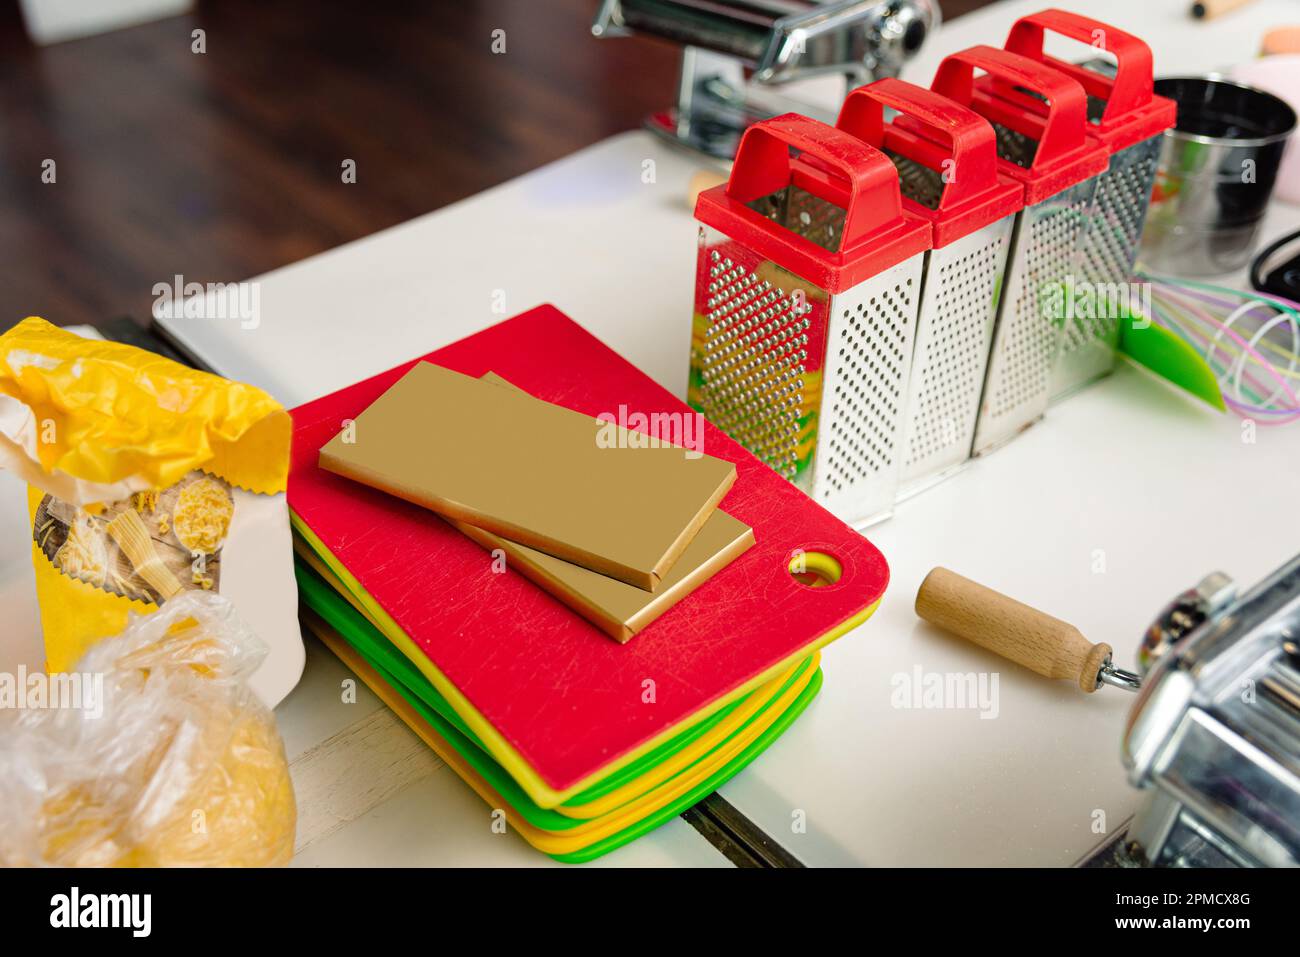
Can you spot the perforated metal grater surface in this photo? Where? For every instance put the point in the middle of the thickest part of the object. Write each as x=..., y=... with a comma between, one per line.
x=963, y=282
x=869, y=356
x=807, y=286
x=751, y=368
x=1089, y=337
x=1127, y=118
x=947, y=162
x=1045, y=254
x=1043, y=146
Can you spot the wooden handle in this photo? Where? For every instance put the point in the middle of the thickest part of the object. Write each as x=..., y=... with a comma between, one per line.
x=1043, y=644
x=1209, y=9
x=1280, y=40
x=129, y=531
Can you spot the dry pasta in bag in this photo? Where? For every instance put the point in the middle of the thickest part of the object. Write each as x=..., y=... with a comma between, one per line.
x=147, y=480
x=165, y=758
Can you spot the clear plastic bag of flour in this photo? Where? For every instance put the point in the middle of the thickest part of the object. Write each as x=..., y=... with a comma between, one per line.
x=151, y=751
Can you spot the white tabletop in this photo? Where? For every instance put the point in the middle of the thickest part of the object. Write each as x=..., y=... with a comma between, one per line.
x=1129, y=477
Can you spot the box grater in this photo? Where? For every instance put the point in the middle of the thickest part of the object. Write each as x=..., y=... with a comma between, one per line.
x=1128, y=119
x=1042, y=144
x=949, y=177
x=806, y=295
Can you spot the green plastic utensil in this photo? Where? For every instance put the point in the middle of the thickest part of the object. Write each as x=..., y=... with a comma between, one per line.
x=1170, y=357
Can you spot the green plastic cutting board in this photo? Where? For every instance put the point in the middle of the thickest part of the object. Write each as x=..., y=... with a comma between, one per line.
x=371, y=643
x=377, y=651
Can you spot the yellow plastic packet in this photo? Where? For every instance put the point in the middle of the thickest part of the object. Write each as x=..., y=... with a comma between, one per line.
x=147, y=479
x=165, y=757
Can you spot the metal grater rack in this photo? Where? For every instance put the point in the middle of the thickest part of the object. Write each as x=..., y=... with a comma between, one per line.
x=1042, y=145
x=970, y=216
x=1127, y=118
x=807, y=283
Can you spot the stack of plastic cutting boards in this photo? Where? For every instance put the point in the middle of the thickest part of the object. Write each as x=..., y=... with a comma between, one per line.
x=584, y=743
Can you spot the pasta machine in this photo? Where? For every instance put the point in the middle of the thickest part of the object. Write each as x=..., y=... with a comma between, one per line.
x=736, y=52
x=1215, y=732
x=1214, y=735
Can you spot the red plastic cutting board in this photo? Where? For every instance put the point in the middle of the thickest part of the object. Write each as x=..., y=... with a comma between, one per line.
x=568, y=699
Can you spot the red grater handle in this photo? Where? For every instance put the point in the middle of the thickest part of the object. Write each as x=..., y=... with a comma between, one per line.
x=1131, y=88
x=764, y=165
x=1067, y=105
x=972, y=144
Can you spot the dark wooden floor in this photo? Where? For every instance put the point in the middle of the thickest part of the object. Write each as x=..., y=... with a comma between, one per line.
x=226, y=164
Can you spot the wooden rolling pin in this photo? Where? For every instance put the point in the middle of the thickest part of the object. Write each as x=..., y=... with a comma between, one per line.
x=1043, y=644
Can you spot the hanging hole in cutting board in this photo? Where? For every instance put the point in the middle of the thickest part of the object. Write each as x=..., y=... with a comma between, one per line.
x=814, y=569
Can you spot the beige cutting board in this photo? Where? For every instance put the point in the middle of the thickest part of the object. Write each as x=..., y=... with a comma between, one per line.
x=531, y=472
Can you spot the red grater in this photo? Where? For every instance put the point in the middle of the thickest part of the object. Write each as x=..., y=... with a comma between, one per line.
x=1042, y=144
x=1128, y=118
x=807, y=288
x=1040, y=118
x=948, y=170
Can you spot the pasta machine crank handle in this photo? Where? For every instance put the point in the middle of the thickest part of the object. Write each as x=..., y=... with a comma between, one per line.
x=1043, y=644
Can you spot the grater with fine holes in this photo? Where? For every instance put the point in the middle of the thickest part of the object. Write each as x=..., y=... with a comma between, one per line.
x=1128, y=119
x=1043, y=145
x=948, y=171
x=807, y=287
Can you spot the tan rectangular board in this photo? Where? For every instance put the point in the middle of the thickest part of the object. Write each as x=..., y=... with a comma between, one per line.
x=616, y=608
x=531, y=472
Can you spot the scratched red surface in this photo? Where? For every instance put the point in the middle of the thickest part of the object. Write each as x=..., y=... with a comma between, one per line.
x=568, y=698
